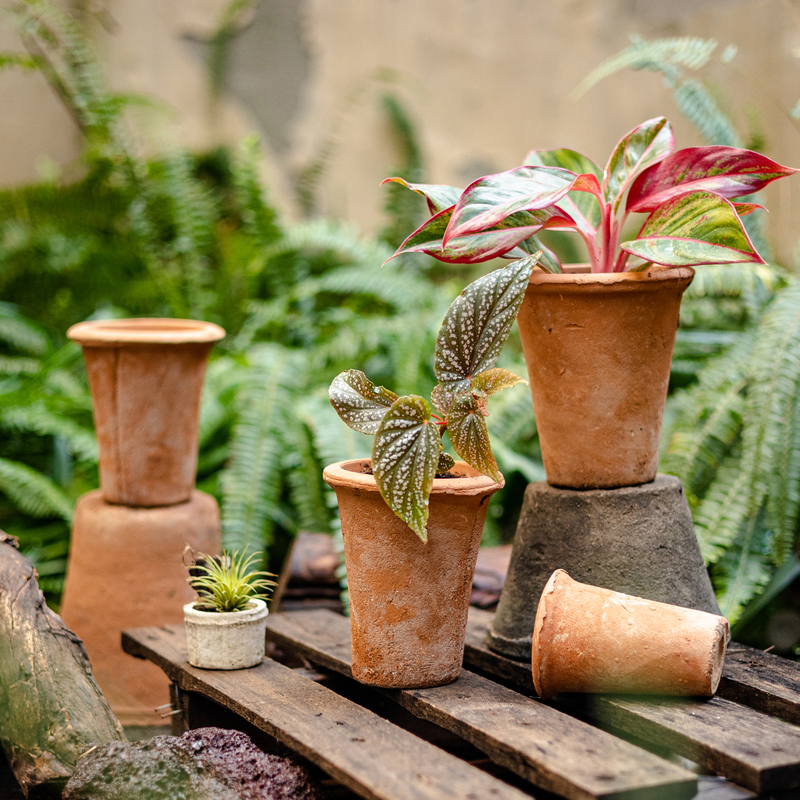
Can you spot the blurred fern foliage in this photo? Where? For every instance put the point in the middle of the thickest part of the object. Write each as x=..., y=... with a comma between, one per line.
x=733, y=436
x=195, y=236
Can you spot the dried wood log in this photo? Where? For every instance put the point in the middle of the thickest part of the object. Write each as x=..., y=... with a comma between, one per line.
x=51, y=708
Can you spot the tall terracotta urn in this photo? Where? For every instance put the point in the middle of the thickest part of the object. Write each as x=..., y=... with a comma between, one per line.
x=598, y=347
x=125, y=565
x=408, y=598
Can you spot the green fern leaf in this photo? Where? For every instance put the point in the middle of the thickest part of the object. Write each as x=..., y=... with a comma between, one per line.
x=32, y=492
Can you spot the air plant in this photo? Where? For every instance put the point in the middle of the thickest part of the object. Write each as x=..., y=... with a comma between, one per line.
x=407, y=450
x=224, y=583
x=687, y=195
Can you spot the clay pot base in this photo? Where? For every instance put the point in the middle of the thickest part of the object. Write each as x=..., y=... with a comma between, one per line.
x=589, y=639
x=409, y=600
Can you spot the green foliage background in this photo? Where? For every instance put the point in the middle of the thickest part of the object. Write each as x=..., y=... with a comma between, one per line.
x=192, y=235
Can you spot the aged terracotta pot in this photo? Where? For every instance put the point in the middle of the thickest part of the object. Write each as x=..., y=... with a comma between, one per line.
x=126, y=570
x=146, y=377
x=409, y=600
x=588, y=639
x=598, y=349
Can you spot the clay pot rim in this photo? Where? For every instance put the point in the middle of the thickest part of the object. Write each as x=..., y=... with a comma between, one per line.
x=347, y=474
x=253, y=613
x=144, y=330
x=578, y=278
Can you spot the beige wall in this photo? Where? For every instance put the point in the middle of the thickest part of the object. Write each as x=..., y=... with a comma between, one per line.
x=485, y=80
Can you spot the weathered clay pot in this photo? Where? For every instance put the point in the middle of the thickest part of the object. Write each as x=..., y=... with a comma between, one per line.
x=232, y=640
x=588, y=639
x=126, y=570
x=146, y=376
x=598, y=349
x=409, y=600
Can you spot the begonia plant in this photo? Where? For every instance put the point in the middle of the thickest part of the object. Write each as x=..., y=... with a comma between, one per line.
x=407, y=451
x=686, y=193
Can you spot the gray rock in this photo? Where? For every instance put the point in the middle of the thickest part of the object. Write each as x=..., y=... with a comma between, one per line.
x=639, y=540
x=204, y=764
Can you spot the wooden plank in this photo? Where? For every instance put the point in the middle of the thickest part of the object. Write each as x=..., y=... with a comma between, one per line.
x=362, y=751
x=750, y=748
x=762, y=681
x=539, y=743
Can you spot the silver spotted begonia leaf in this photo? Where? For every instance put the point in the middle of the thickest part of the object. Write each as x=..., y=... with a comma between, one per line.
x=466, y=425
x=446, y=462
x=491, y=381
x=478, y=322
x=357, y=400
x=405, y=456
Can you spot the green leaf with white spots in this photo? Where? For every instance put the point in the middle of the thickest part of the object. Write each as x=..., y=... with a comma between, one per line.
x=491, y=381
x=695, y=228
x=469, y=436
x=446, y=462
x=441, y=399
x=357, y=400
x=405, y=455
x=477, y=324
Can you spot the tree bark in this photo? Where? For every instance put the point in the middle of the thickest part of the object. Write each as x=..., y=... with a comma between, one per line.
x=51, y=708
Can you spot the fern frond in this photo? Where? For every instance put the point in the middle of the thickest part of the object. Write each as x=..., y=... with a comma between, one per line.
x=733, y=280
x=659, y=55
x=333, y=440
x=260, y=220
x=744, y=569
x=38, y=419
x=251, y=483
x=20, y=333
x=32, y=492
x=695, y=102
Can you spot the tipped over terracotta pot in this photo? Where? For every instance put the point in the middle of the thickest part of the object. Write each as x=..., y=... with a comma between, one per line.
x=598, y=347
x=588, y=639
x=146, y=377
x=409, y=599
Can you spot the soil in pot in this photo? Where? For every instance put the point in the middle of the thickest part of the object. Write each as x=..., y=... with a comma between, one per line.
x=409, y=599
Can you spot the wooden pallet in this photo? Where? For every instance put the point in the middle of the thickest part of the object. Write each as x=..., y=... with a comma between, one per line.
x=511, y=745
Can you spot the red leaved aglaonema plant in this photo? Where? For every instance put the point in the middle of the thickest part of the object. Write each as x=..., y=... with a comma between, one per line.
x=686, y=193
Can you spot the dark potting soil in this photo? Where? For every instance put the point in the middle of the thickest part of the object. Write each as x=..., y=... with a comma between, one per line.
x=367, y=470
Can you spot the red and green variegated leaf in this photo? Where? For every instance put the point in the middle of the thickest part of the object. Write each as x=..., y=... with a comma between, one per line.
x=491, y=381
x=548, y=260
x=728, y=171
x=438, y=196
x=469, y=436
x=691, y=229
x=743, y=209
x=582, y=207
x=478, y=247
x=477, y=324
x=644, y=146
x=441, y=399
x=405, y=455
x=357, y=400
x=489, y=200
x=446, y=463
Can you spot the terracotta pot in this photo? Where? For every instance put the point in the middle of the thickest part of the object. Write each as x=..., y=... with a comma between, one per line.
x=126, y=570
x=233, y=640
x=146, y=377
x=409, y=600
x=588, y=639
x=598, y=349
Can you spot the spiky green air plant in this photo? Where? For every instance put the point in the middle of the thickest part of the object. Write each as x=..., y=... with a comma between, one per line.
x=407, y=450
x=686, y=193
x=225, y=584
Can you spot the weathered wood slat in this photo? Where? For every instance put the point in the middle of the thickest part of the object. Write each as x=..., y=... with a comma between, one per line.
x=750, y=748
x=539, y=743
x=762, y=681
x=362, y=751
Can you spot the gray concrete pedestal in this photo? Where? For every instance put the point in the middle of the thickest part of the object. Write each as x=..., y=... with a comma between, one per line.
x=639, y=540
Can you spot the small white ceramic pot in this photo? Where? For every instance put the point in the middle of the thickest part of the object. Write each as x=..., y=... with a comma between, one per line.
x=229, y=640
